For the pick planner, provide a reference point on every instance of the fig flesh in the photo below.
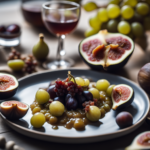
(106, 51)
(122, 96)
(8, 85)
(141, 141)
(13, 110)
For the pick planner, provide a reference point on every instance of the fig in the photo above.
(40, 50)
(122, 96)
(13, 110)
(124, 119)
(106, 50)
(8, 85)
(141, 141)
(144, 77)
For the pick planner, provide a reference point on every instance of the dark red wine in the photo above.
(60, 25)
(32, 12)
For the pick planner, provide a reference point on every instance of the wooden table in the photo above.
(10, 13)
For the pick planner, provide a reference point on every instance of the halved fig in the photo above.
(13, 109)
(8, 85)
(106, 50)
(122, 96)
(141, 141)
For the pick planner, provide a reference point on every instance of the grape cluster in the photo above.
(129, 17)
(60, 87)
(14, 54)
(73, 88)
(30, 64)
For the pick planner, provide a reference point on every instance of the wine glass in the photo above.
(60, 18)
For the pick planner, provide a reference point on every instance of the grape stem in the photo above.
(70, 76)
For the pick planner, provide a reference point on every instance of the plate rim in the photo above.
(129, 129)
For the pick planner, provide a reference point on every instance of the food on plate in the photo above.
(8, 85)
(37, 120)
(73, 102)
(13, 110)
(108, 51)
(144, 77)
(16, 64)
(122, 96)
(141, 141)
(124, 119)
(40, 50)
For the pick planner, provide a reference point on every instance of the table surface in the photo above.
(11, 13)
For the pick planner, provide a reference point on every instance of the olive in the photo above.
(14, 28)
(2, 29)
(81, 99)
(124, 119)
(79, 124)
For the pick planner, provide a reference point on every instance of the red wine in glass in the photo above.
(31, 11)
(61, 25)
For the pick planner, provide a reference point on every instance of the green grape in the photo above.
(102, 15)
(131, 3)
(16, 64)
(113, 11)
(147, 23)
(95, 23)
(142, 8)
(90, 6)
(90, 32)
(37, 120)
(137, 29)
(80, 81)
(87, 82)
(93, 114)
(114, 2)
(112, 25)
(42, 96)
(109, 90)
(102, 85)
(124, 27)
(95, 93)
(56, 108)
(127, 12)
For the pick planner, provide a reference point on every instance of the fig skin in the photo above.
(4, 94)
(14, 112)
(124, 119)
(144, 77)
(8, 94)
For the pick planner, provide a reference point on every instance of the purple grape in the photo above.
(67, 97)
(60, 99)
(51, 92)
(13, 28)
(81, 99)
(2, 29)
(88, 95)
(72, 104)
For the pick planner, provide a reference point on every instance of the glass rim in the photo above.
(63, 2)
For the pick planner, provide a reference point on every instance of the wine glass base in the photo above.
(56, 64)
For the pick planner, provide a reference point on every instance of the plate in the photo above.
(104, 130)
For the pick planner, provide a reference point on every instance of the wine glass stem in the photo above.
(60, 50)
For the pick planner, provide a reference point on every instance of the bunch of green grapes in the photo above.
(129, 17)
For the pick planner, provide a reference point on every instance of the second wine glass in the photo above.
(60, 18)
